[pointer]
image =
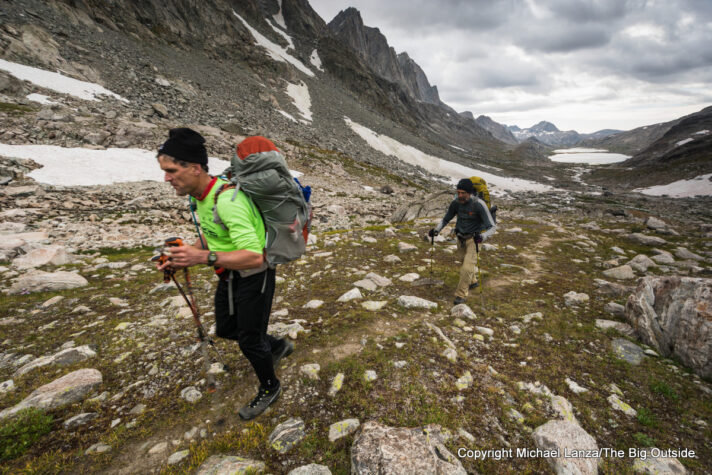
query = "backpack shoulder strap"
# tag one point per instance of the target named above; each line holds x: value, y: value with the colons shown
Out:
x: 227, y: 186
x: 223, y: 187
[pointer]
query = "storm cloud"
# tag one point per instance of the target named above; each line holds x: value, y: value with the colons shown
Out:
x: 521, y: 61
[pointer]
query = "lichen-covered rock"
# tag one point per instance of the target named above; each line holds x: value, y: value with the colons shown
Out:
x: 287, y: 435
x: 398, y: 450
x: 674, y: 316
x: 336, y: 384
x: 563, y: 435
x: 619, y: 405
x: 342, y: 429
x: 229, y: 464
x: 648, y: 464
x: 627, y: 351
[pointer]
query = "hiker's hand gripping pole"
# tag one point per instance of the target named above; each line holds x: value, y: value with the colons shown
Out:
x: 164, y: 263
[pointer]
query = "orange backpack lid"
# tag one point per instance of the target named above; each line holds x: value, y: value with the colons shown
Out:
x: 255, y: 144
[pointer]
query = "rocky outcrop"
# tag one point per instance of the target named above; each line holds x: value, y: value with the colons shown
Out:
x: 398, y: 450
x: 372, y: 47
x: 431, y: 206
x: 416, y: 80
x: 674, y: 316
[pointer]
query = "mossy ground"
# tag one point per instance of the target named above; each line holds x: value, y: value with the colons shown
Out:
x: 530, y: 272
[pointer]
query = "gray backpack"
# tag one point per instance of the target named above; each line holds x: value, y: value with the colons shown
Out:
x: 266, y: 180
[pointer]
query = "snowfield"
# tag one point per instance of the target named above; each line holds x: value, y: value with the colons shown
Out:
x: 84, y: 167
x: 300, y: 96
x: 700, y: 185
x: 274, y: 51
x: 58, y: 82
x: 498, y: 185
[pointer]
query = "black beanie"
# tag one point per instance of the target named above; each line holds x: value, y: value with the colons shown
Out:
x: 186, y: 145
x: 466, y: 185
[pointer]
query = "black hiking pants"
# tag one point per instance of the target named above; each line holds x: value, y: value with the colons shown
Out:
x: 248, y: 325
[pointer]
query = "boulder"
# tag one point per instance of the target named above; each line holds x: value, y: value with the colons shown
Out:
x: 664, y: 258
x: 431, y: 206
x: 655, y: 224
x: 674, y: 316
x: 287, y: 435
x: 39, y: 281
x: 624, y: 272
x: 311, y: 469
x: 648, y: 464
x: 222, y: 464
x: 627, y: 351
x: 621, y: 327
x: 641, y: 263
x: 563, y: 435
x: 614, y: 309
x: 398, y: 450
x: 342, y: 429
x: 352, y: 294
x: 409, y: 301
x: 684, y: 253
x: 574, y: 299
x: 68, y: 389
x: 63, y: 358
x: 613, y: 289
x: 462, y: 311
x: 646, y: 240
x: 374, y: 306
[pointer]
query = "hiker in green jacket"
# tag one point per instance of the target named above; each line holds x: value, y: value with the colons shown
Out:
x: 239, y: 247
x: 473, y: 217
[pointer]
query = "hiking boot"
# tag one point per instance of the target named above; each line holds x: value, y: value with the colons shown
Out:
x: 286, y: 350
x: 260, y: 403
x: 459, y: 300
x: 474, y: 286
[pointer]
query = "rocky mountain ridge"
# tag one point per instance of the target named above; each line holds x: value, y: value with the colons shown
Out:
x: 371, y: 46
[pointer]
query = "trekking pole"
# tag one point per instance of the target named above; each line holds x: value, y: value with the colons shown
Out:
x: 203, y: 336
x: 479, y: 275
x: 432, y: 249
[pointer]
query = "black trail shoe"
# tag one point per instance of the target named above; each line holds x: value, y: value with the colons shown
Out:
x: 261, y: 402
x: 286, y: 350
x: 474, y: 286
x: 459, y: 300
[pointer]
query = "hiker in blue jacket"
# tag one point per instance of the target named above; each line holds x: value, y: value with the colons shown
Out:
x: 473, y: 217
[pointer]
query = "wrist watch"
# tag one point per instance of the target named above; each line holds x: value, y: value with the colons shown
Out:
x: 212, y: 258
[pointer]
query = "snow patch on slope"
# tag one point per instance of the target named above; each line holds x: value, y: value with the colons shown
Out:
x: 274, y: 51
x: 498, y: 185
x: 58, y: 82
x: 316, y: 60
x: 300, y: 96
x: 700, y: 185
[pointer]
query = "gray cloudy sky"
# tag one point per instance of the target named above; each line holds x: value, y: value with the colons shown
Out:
x: 581, y: 64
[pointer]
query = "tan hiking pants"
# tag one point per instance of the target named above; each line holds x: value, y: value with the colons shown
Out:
x: 468, y: 271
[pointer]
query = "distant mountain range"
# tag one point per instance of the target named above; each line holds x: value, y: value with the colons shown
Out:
x: 549, y: 134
